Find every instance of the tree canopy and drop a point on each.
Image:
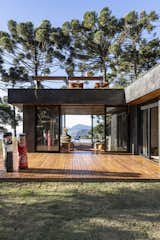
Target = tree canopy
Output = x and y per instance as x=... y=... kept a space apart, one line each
x=92 y=40
x=31 y=50
x=136 y=51
x=119 y=48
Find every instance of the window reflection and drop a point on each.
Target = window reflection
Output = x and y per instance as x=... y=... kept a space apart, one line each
x=47 y=134
x=144 y=129
x=154 y=133
x=116 y=129
x=149 y=131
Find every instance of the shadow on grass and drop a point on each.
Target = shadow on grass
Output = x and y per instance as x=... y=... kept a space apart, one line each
x=78 y=213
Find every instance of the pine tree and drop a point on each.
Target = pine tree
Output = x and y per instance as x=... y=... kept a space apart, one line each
x=35 y=49
x=136 y=53
x=92 y=40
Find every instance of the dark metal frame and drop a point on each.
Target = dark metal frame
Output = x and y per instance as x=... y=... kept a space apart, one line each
x=139 y=131
x=60 y=125
x=148 y=106
x=92 y=130
x=59 y=116
x=59 y=130
x=105 y=132
x=128 y=133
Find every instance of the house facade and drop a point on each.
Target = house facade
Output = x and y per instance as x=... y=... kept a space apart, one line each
x=143 y=100
x=131 y=116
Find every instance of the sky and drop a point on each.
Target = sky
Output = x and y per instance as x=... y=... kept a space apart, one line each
x=59 y=11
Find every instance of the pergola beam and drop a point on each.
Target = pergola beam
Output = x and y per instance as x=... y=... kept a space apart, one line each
x=43 y=78
x=55 y=78
x=85 y=78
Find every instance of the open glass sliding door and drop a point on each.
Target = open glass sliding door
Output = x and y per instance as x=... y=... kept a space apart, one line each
x=154 y=133
x=145 y=148
x=116 y=129
x=149 y=131
x=48 y=129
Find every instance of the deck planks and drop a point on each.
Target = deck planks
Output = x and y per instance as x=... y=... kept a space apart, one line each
x=85 y=166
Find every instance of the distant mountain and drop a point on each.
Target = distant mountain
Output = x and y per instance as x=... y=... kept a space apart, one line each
x=79 y=130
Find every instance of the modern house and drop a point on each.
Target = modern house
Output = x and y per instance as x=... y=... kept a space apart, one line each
x=131 y=115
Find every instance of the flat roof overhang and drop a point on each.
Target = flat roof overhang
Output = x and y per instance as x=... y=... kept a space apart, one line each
x=109 y=97
x=146 y=98
x=145 y=88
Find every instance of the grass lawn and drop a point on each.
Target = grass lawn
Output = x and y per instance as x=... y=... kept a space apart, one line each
x=82 y=211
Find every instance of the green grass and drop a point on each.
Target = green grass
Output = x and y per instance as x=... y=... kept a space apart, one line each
x=71 y=211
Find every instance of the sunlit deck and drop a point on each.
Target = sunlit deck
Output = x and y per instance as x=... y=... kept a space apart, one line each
x=83 y=166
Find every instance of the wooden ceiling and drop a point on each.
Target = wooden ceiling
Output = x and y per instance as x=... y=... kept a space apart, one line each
x=82 y=109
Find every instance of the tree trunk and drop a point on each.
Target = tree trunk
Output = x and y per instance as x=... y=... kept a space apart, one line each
x=36 y=74
x=104 y=74
x=36 y=66
x=135 y=63
x=135 y=67
x=14 y=117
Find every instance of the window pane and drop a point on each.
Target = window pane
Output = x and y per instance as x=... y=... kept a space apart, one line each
x=154 y=133
x=116 y=129
x=47 y=134
x=145 y=132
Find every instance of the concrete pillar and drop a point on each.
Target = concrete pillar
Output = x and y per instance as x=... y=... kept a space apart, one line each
x=114 y=126
x=29 y=127
x=133 y=130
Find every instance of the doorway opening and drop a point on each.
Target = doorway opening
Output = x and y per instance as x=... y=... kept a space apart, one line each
x=79 y=129
x=84 y=132
x=85 y=126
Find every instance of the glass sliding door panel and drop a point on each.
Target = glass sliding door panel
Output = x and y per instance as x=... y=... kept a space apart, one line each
x=47 y=129
x=154 y=133
x=144 y=119
x=116 y=129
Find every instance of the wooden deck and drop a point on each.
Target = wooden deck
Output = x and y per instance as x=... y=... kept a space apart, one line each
x=85 y=166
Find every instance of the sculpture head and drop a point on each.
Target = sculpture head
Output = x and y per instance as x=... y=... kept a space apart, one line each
x=65 y=130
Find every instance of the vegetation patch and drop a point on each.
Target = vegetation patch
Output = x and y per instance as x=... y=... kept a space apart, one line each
x=79 y=211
